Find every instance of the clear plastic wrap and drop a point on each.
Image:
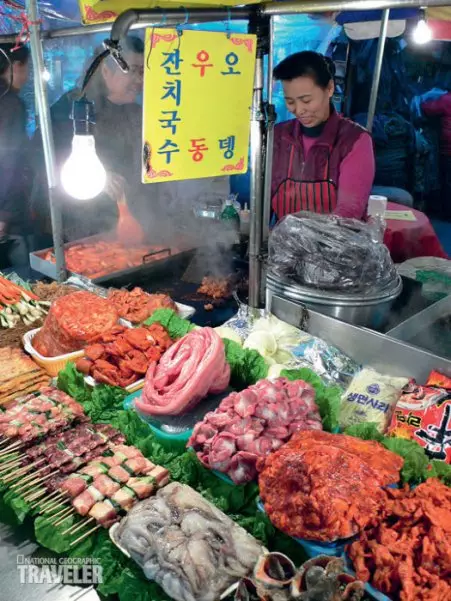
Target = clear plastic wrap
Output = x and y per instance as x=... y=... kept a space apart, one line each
x=303 y=350
x=329 y=253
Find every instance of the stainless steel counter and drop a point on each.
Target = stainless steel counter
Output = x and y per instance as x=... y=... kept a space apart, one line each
x=366 y=347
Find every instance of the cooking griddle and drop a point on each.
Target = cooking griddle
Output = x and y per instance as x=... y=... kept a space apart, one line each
x=160 y=261
x=185 y=289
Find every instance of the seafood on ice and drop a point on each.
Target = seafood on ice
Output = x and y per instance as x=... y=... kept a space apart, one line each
x=252 y=423
x=186 y=545
x=325 y=487
x=192 y=368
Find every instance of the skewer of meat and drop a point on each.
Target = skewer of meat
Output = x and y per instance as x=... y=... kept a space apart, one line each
x=66 y=469
x=63 y=447
x=89 y=502
x=108 y=479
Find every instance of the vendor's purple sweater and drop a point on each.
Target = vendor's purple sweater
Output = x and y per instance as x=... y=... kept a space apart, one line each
x=352 y=164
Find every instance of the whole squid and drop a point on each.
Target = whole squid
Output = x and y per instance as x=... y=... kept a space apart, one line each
x=186 y=545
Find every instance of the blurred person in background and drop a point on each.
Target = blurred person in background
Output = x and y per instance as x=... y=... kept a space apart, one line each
x=118 y=145
x=322 y=162
x=440 y=108
x=118 y=139
x=14 y=179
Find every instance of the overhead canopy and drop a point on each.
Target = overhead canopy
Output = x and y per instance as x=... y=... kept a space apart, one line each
x=365 y=25
x=60 y=13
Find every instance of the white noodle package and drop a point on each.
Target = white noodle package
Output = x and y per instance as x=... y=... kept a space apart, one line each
x=370 y=397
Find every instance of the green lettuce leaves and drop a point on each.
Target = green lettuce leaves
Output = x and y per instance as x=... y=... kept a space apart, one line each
x=176 y=326
x=417 y=466
x=247 y=366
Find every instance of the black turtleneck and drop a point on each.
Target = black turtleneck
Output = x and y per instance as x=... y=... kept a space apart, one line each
x=315 y=131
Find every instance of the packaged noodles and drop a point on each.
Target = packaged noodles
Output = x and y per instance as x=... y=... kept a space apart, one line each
x=370 y=397
x=423 y=414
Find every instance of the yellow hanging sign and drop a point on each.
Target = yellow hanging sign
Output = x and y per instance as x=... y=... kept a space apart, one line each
x=197 y=100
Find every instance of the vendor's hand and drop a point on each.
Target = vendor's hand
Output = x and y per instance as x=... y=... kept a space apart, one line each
x=115 y=186
x=3 y=229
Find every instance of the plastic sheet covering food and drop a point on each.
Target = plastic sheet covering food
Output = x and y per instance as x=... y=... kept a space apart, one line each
x=330 y=253
x=330 y=363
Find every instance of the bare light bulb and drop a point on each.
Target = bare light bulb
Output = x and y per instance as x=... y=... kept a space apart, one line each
x=46 y=75
x=422 y=34
x=83 y=176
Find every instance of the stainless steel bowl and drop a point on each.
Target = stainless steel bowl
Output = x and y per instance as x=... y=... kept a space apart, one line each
x=370 y=311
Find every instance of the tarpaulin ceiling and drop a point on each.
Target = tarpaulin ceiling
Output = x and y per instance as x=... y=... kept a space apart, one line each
x=54 y=13
x=366 y=25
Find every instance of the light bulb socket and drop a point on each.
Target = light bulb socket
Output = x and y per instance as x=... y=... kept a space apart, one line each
x=83 y=116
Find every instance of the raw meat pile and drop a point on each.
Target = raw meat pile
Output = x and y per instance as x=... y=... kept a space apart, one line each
x=406 y=554
x=192 y=368
x=73 y=322
x=186 y=545
x=252 y=423
x=136 y=306
x=322 y=486
x=122 y=356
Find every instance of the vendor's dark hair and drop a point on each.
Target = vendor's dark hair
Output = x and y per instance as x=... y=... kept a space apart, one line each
x=306 y=64
x=96 y=89
x=14 y=54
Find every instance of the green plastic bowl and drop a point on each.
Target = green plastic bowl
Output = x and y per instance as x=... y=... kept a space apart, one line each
x=171 y=442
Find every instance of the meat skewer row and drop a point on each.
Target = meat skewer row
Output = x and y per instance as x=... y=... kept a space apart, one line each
x=39 y=417
x=98 y=464
x=62 y=448
x=51 y=485
x=59 y=468
x=75 y=442
x=107 y=510
x=37 y=402
x=119 y=479
x=111 y=471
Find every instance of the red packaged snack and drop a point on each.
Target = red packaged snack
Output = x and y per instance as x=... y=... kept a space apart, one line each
x=423 y=414
x=439 y=380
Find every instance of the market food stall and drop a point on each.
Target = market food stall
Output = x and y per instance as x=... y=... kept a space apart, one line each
x=262 y=460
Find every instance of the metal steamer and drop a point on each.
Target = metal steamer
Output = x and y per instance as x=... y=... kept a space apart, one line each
x=365 y=310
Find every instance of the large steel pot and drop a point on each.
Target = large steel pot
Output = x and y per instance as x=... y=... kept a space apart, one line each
x=370 y=310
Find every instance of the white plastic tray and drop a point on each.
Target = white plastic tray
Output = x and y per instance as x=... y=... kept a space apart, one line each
x=52 y=365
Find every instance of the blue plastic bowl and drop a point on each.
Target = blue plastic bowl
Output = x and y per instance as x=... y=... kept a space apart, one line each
x=315 y=548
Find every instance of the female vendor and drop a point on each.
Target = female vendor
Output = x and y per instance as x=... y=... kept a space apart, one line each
x=322 y=162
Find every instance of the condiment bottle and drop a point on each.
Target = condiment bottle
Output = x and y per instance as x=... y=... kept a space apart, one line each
x=231 y=219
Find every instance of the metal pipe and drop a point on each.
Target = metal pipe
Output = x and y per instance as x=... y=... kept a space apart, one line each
x=347 y=102
x=294 y=7
x=269 y=133
x=257 y=190
x=377 y=69
x=161 y=17
x=42 y=101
